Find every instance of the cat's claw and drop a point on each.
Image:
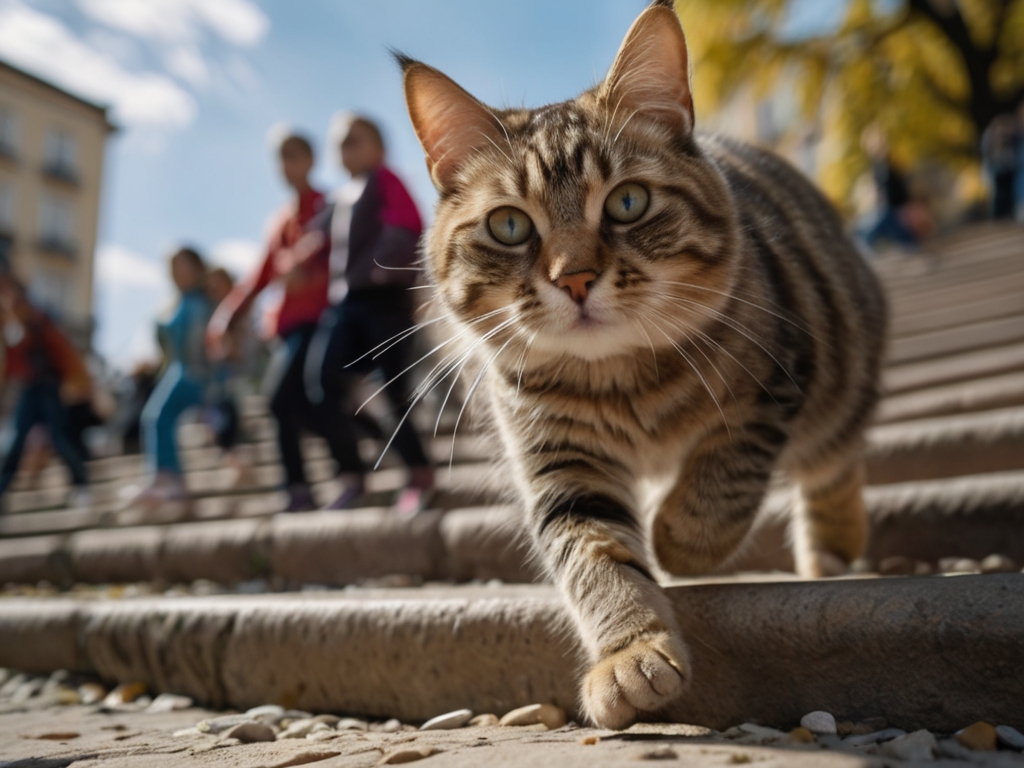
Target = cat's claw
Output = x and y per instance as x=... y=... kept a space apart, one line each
x=643 y=677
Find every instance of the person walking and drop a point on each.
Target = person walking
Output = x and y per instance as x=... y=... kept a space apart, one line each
x=373 y=228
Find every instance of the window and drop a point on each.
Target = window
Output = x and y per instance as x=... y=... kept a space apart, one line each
x=56 y=224
x=60 y=151
x=6 y=206
x=8 y=132
x=50 y=291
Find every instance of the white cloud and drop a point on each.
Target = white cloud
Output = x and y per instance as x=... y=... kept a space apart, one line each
x=117 y=267
x=42 y=44
x=187 y=63
x=240 y=257
x=237 y=22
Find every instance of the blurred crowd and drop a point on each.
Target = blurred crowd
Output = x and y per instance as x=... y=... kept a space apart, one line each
x=339 y=267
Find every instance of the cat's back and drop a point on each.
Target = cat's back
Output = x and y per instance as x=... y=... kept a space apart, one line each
x=799 y=258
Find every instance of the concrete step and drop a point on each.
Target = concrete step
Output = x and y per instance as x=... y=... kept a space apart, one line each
x=899 y=379
x=962 y=338
x=933 y=652
x=968 y=396
x=936 y=319
x=972 y=517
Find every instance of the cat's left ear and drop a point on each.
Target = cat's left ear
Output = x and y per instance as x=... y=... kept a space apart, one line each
x=651 y=73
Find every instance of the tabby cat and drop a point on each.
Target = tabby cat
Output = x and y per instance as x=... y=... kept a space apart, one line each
x=663 y=319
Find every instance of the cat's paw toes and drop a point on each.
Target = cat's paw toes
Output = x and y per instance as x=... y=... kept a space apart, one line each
x=643 y=677
x=822 y=565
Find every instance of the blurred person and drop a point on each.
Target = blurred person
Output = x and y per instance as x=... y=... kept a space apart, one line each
x=373 y=228
x=999 y=148
x=304 y=298
x=52 y=374
x=184 y=381
x=892 y=195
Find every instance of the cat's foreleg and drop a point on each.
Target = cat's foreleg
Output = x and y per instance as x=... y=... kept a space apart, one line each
x=592 y=543
x=831 y=525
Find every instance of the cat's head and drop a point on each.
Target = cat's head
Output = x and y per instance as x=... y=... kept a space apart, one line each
x=590 y=227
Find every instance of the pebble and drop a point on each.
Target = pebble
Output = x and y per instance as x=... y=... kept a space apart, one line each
x=1010 y=737
x=760 y=734
x=168 y=702
x=352 y=724
x=589 y=741
x=658 y=753
x=407 y=756
x=251 y=732
x=91 y=692
x=331 y=720
x=222 y=723
x=27 y=690
x=59 y=736
x=897 y=565
x=919 y=745
x=547 y=714
x=958 y=565
x=392 y=726
x=448 y=721
x=923 y=569
x=125 y=693
x=819 y=722
x=998 y=564
x=65 y=697
x=863 y=739
x=979 y=736
x=267 y=713
x=299 y=729
x=485 y=721
x=801 y=735
x=12 y=684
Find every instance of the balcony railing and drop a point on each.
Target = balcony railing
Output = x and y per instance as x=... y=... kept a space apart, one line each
x=61 y=172
x=58 y=245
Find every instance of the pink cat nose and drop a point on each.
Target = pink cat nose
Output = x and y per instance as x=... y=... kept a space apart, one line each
x=576 y=284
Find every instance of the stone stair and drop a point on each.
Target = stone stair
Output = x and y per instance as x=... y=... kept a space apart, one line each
x=946 y=487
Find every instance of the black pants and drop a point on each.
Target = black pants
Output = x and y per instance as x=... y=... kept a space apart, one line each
x=295 y=413
x=347 y=332
x=40 y=404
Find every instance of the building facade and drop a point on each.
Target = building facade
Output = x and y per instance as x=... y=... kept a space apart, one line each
x=51 y=167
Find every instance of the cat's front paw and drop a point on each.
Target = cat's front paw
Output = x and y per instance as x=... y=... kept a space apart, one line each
x=642 y=677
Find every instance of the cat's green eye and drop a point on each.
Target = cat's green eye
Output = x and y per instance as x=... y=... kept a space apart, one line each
x=510 y=226
x=627 y=203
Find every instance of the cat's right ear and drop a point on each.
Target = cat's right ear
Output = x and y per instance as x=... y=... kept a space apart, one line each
x=450 y=124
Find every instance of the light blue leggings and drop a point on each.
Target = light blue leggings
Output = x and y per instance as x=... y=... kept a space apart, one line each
x=175 y=393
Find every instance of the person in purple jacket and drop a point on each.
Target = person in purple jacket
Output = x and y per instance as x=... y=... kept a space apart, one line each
x=373 y=228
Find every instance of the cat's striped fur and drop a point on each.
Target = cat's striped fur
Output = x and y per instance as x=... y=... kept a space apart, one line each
x=731 y=331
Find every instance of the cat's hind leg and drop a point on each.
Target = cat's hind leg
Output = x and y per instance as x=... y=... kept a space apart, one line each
x=830 y=527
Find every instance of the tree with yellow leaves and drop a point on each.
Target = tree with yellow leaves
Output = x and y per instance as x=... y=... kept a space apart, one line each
x=931 y=74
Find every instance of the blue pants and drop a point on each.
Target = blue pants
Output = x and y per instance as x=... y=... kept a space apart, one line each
x=175 y=393
x=40 y=404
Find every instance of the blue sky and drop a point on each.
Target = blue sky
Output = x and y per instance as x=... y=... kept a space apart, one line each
x=197 y=85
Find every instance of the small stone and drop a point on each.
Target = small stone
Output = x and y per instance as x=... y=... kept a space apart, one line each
x=267 y=713
x=862 y=565
x=125 y=693
x=485 y=721
x=59 y=736
x=875 y=737
x=392 y=726
x=547 y=714
x=897 y=565
x=1010 y=737
x=759 y=734
x=658 y=753
x=958 y=565
x=819 y=722
x=448 y=721
x=13 y=683
x=298 y=729
x=331 y=720
x=979 y=736
x=352 y=724
x=66 y=697
x=321 y=728
x=801 y=736
x=27 y=690
x=251 y=732
x=407 y=756
x=222 y=723
x=92 y=692
x=998 y=564
x=954 y=750
x=193 y=731
x=589 y=741
x=168 y=702
x=919 y=745
x=921 y=568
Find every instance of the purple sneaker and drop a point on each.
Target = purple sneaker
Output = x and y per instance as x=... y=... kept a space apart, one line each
x=346 y=499
x=300 y=499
